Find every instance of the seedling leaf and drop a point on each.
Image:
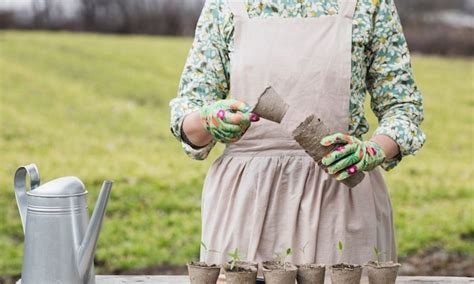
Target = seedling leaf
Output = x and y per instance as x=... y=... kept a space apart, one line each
x=281 y=257
x=235 y=256
x=377 y=254
x=340 y=247
x=203 y=245
x=304 y=248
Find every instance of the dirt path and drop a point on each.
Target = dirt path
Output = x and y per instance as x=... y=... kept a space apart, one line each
x=436 y=262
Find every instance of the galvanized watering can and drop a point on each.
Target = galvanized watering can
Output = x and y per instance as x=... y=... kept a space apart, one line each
x=59 y=239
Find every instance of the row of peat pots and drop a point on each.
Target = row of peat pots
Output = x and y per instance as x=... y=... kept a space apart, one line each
x=278 y=272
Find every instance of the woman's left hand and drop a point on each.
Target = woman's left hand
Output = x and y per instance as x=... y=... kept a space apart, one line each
x=352 y=156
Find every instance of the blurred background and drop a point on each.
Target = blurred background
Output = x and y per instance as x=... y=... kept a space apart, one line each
x=431 y=26
x=84 y=91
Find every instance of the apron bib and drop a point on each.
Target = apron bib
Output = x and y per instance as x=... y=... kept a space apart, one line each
x=265 y=194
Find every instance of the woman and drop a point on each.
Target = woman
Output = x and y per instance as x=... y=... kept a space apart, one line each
x=264 y=194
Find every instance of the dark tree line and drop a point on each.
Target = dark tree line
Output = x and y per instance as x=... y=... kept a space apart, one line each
x=434 y=36
x=169 y=17
x=179 y=17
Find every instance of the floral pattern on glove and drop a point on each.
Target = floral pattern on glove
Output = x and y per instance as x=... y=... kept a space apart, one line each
x=227 y=120
x=351 y=156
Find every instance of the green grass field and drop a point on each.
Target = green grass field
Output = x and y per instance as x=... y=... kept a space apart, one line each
x=96 y=107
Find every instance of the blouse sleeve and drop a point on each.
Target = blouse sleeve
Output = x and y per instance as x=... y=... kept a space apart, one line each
x=205 y=77
x=395 y=98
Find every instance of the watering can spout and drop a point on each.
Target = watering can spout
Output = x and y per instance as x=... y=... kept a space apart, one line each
x=87 y=249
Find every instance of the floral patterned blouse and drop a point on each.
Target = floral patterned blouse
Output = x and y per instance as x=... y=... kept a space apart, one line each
x=380 y=67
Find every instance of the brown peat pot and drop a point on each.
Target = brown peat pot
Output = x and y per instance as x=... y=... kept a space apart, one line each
x=202 y=273
x=311 y=273
x=343 y=273
x=243 y=272
x=276 y=272
x=383 y=272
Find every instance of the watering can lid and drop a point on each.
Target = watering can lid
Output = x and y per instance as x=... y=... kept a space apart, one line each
x=61 y=186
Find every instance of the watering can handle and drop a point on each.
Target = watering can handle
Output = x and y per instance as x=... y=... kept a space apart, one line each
x=20 y=187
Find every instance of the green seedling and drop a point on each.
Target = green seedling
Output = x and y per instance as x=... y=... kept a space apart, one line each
x=377 y=254
x=234 y=258
x=206 y=251
x=340 y=248
x=281 y=257
x=303 y=249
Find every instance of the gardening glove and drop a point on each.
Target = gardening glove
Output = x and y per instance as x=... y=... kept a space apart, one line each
x=352 y=156
x=227 y=120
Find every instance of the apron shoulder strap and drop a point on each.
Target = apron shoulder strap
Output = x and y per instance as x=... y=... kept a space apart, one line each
x=347 y=8
x=238 y=8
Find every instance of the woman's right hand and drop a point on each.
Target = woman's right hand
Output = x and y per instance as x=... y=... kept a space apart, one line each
x=227 y=120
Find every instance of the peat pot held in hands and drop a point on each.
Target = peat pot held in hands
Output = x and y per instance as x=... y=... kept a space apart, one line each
x=307 y=131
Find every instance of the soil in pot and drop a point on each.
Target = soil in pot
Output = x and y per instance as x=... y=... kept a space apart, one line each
x=242 y=272
x=311 y=273
x=202 y=273
x=276 y=272
x=382 y=272
x=343 y=273
x=246 y=263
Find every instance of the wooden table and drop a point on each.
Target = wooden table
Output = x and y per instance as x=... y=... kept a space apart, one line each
x=115 y=279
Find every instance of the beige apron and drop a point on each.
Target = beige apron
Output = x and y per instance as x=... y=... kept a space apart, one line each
x=264 y=194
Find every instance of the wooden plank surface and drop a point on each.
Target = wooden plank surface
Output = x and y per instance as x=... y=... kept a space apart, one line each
x=183 y=279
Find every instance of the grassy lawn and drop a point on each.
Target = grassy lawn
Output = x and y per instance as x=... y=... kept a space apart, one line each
x=96 y=107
